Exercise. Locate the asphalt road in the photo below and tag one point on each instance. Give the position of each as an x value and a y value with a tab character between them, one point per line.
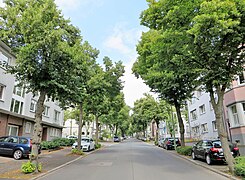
132	160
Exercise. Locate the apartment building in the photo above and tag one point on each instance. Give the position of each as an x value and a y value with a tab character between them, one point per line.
202	118
234	111
17	108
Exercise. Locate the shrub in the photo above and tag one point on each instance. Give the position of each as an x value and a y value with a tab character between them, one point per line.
184	150
76	151
97	146
64	141
29	167
240	166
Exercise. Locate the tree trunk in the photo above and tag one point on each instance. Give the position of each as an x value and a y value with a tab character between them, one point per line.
37	134
80	125
218	110
97	130
157	131
181	124
116	127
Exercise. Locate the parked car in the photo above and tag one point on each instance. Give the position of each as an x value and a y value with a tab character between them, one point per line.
72	137
211	151
87	144
16	146
160	142
168	143
116	139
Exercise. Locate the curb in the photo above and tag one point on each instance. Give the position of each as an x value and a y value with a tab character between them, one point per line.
63	165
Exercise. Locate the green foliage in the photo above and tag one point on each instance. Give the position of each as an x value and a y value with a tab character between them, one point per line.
29	167
97	146
184	150
77	152
56	143
240	166
105	134
64	141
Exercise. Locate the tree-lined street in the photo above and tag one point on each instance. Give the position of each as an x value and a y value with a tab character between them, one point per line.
132	160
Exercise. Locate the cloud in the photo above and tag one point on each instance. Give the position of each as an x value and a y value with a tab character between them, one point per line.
1	3
122	39
133	88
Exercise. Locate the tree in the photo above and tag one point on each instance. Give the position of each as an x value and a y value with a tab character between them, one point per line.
218	49
84	56
161	65
213	40
102	87
147	110
43	54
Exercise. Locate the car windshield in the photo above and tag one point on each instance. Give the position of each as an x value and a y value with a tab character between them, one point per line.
85	140
217	144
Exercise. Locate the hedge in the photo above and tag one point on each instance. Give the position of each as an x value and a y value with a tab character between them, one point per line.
240	166
184	150
56	143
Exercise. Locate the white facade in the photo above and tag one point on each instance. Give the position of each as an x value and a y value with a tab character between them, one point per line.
201	117
17	109
71	128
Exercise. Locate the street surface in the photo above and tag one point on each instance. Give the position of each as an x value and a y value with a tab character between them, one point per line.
132	160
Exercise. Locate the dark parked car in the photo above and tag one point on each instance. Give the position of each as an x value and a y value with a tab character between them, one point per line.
168	143
211	150
16	146
116	139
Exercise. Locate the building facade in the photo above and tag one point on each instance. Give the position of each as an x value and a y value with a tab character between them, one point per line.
202	117
17	108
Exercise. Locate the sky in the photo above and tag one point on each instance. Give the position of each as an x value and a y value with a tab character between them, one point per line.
113	27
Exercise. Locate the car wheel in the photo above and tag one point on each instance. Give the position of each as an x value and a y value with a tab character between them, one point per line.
18	154
89	148
193	155
208	159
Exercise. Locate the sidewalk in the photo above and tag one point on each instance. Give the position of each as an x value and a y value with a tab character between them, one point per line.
11	169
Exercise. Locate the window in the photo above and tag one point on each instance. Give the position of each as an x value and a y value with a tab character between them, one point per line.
241	78
46	111
214	125
13	130
204	128
235	115
16	106
193	114
54	132
202	109
33	105
2	87
4	60
28	127
195	129
243	105
19	91
56	116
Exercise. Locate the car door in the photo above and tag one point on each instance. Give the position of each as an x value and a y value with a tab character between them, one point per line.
92	144
3	141
198	149
203	149
10	145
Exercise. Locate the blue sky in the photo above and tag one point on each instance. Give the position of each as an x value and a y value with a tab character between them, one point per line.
113	27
